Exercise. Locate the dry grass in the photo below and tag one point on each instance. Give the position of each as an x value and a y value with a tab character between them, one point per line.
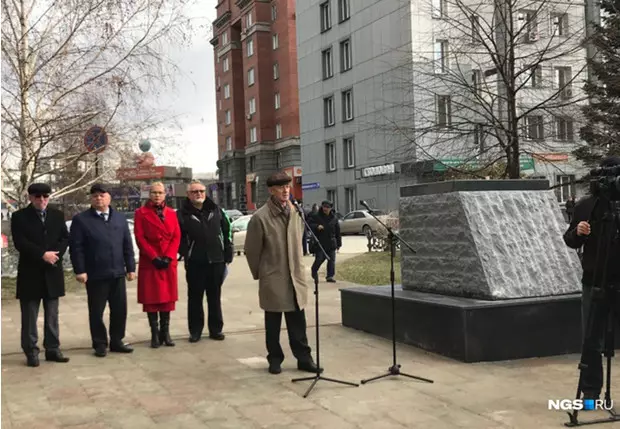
369	269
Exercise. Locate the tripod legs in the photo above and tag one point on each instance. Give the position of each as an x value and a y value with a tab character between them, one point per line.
395	370
316	378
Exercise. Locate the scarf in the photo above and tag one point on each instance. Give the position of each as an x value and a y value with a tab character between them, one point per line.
159	209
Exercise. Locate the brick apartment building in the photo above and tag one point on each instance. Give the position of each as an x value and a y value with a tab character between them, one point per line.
257	98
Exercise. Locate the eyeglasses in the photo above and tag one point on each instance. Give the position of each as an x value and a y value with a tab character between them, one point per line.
197	191
157	193
41	195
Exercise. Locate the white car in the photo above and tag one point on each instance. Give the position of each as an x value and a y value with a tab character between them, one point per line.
239	228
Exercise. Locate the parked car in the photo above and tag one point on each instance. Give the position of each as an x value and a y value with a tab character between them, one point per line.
361	222
233	214
239	229
136	251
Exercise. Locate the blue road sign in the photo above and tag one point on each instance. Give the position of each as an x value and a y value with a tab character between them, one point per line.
309	186
95	139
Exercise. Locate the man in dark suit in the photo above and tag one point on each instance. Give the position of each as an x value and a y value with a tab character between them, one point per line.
325	226
40	236
102	257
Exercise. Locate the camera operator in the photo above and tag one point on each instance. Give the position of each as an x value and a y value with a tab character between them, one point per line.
586	230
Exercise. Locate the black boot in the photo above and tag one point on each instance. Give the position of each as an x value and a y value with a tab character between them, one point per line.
164	329
154	332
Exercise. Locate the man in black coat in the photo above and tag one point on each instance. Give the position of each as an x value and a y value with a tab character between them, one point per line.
40	236
325	226
206	245
102	257
585	230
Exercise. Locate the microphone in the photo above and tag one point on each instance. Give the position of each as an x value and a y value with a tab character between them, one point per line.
297	206
365	205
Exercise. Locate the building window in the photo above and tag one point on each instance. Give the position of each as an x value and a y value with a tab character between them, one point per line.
476	81
534	127
439	8
328	111
253	135
250	47
251	77
326	16
228	117
349	152
566	187
347	105
441	56
479	138
346	61
344	11
330	156
224	38
277	100
252	106
534	77
248	20
444	111
349	195
332	196
226	91
559	24
274	12
328	69
252	163
225	64
527	26
275	41
228	143
276	71
563	82
278	160
563	129
278	131
475	29
219	103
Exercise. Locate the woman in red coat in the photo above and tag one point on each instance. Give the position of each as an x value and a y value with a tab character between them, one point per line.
157	235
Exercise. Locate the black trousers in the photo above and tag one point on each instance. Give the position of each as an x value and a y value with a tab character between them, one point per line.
204	278
30	335
319	258
594	336
100	293
296	328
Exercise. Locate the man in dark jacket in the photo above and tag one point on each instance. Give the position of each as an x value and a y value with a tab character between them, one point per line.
41	237
206	246
102	257
325	226
585	231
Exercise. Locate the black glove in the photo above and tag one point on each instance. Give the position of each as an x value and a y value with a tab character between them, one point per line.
168	260
228	255
160	263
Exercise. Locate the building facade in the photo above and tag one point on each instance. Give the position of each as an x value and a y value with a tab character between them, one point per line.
396	92
257	98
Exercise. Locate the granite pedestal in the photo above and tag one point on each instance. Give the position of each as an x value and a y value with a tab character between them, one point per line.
491	278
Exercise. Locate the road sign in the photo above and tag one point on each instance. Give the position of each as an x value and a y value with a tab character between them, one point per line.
309	186
95	139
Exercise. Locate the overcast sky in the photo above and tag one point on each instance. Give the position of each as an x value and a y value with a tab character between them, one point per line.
193	100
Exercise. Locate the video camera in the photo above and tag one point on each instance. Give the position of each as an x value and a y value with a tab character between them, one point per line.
605	182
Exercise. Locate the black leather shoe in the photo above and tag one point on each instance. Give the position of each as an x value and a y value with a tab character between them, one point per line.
101	352
194	338
32	360
275	368
330	280
308	366
218	337
121	348
56	356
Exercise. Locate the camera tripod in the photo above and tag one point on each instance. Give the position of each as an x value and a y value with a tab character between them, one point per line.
602	315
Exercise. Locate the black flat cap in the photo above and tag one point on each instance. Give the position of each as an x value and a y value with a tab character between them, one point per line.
39	188
278	179
327	203
98	188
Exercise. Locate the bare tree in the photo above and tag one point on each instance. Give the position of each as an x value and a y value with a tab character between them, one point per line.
71	64
491	80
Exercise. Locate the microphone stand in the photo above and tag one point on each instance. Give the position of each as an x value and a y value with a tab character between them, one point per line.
392	238
318	375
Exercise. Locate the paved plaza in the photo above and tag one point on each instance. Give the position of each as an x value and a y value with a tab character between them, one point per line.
226	385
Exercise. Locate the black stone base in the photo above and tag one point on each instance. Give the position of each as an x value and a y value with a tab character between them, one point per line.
467	329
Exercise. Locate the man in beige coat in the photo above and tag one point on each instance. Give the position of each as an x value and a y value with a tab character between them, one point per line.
273	251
